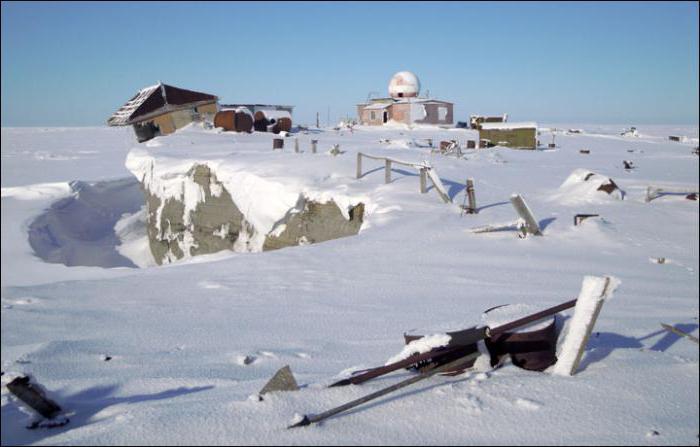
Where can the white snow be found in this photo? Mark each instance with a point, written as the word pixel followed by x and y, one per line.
pixel 177 333
pixel 581 186
pixel 420 346
pixel 509 126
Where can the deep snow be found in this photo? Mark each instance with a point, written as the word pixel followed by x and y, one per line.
pixel 176 334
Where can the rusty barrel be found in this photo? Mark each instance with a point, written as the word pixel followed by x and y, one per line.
pixel 533 347
pixel 225 119
pixel 234 120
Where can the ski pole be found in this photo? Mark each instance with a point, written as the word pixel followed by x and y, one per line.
pixel 312 419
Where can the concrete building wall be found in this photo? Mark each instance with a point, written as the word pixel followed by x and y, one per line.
pixel 437 113
pixel 372 117
pixel 401 113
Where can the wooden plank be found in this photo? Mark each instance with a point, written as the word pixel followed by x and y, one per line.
pixel 594 291
pixel 33 396
pixel 439 187
pixel 387 170
pixel 358 171
pixel 654 192
pixel 524 212
pixel 680 333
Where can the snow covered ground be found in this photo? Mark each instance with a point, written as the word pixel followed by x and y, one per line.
pixel 191 341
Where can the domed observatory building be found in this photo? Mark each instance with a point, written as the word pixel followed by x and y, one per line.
pixel 405 105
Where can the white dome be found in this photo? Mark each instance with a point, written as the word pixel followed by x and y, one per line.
pixel 404 84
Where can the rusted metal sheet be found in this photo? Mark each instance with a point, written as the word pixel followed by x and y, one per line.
pixel 581 217
pixel 532 350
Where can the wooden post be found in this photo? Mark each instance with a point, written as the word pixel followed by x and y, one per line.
pixel 524 212
pixel 313 146
pixel 423 180
pixel 296 145
pixel 387 171
pixel 594 291
pixel 358 171
pixel 472 199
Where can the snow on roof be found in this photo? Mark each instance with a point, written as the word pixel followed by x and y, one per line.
pixel 121 117
pixel 509 126
pixel 276 114
pixel 157 99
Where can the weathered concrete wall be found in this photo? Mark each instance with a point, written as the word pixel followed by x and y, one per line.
pixel 432 111
pixel 316 222
pixel 217 224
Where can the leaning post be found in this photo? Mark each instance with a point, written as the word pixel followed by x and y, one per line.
pixel 472 198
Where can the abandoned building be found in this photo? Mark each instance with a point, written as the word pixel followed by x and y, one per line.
pixel 512 135
pixel 475 121
pixel 404 105
pixel 267 117
pixel 161 109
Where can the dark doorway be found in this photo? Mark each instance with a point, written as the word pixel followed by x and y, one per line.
pixel 386 116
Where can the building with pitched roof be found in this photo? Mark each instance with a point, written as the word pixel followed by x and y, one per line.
pixel 161 109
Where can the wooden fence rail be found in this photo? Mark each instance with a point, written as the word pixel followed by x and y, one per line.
pixel 425 170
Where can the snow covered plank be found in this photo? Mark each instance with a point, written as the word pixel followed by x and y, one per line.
pixel 524 212
pixel 439 187
pixel 594 291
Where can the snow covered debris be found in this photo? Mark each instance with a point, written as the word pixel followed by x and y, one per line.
pixel 584 186
pixel 420 346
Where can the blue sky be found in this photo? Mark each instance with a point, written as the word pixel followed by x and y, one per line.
pixel 73 64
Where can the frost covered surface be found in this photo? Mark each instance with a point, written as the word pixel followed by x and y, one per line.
pixel 177 334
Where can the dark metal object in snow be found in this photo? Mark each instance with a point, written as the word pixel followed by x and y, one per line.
pixel 608 187
pixel 464 340
pixel 532 350
pixel 33 396
pixel 429 372
pixel 585 151
pixel 277 143
pixel 581 217
pixel 283 380
pixel 628 164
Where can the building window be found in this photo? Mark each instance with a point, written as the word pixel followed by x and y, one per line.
pixel 372 115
